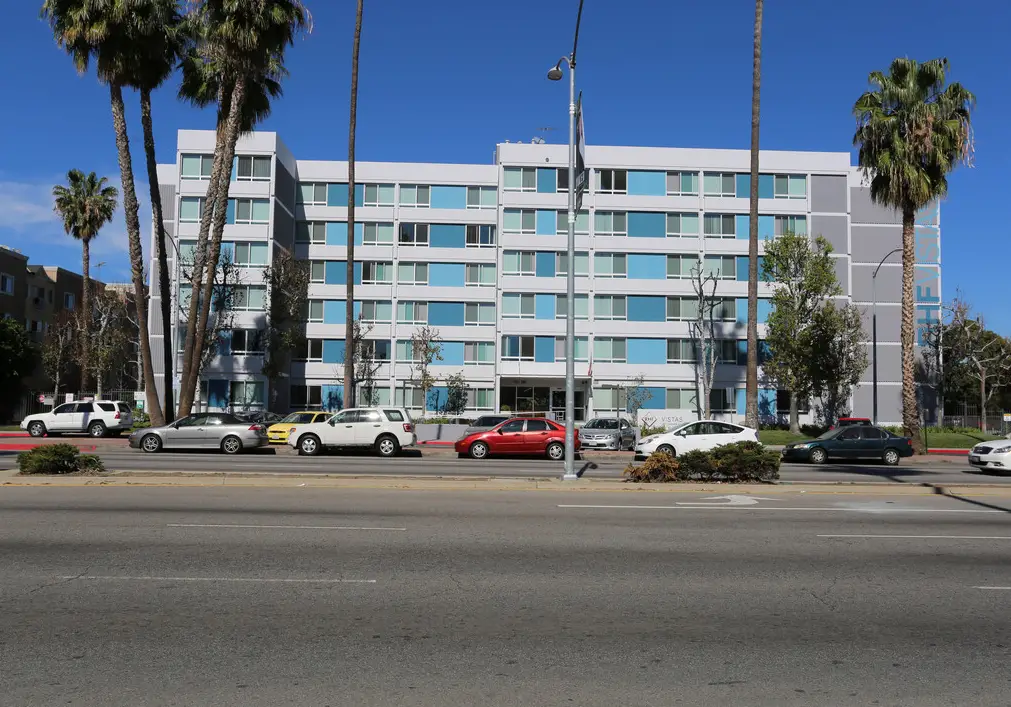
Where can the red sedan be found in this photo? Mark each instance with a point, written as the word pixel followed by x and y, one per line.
pixel 518 435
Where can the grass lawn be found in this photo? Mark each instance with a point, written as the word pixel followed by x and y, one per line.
pixel 779 437
pixel 955 440
pixel 10 428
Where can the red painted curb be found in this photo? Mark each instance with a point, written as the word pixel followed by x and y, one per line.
pixel 437 442
pixel 949 452
pixel 25 446
pixel 14 434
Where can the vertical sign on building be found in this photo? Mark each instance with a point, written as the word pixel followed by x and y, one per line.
pixel 928 270
pixel 580 154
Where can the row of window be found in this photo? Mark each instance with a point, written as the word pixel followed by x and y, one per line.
pixel 247 168
pixel 411 195
pixel 240 254
pixel 316 397
pixel 239 211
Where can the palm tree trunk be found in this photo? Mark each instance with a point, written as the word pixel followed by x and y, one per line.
pixel 910 408
pixel 164 284
pixel 349 319
pixel 130 209
pixel 751 384
pixel 84 318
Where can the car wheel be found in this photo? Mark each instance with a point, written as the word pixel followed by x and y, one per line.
pixel 666 449
pixel 817 456
pixel 96 429
pixel 387 446
pixel 151 443
pixel 309 445
pixel 478 450
pixel 231 445
pixel 890 457
pixel 556 451
pixel 37 429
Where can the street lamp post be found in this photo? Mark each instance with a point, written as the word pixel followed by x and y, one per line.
pixel 874 334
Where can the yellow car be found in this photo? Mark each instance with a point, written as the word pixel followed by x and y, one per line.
pixel 279 431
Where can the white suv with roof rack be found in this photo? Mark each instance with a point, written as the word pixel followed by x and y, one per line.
pixel 386 429
pixel 97 418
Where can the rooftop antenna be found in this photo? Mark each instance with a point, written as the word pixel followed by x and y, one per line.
pixel 541 139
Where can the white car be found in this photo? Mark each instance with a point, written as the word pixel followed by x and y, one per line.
pixel 387 430
pixel 994 455
pixel 702 435
pixel 95 417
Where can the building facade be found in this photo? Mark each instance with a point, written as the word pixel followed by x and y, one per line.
pixel 477 252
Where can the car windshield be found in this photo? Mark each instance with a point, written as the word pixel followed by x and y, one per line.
pixel 299 417
pixel 601 424
pixel 830 434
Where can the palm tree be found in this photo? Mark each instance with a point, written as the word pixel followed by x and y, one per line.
pixel 349 334
pixel 751 384
pixel 85 204
pixel 912 130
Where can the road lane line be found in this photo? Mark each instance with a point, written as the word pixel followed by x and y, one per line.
pixel 926 537
pixel 219 579
pixel 277 527
pixel 999 588
pixel 714 507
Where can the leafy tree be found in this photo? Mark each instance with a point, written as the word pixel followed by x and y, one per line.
pixel 912 130
pixel 838 357
pixel 110 333
pixel 17 362
pixel 58 349
pixel 456 394
pixel 85 204
pixel 751 382
pixel 349 320
pixel 426 347
pixel 805 278
pixel 287 282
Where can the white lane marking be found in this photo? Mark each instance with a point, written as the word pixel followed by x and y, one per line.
pixel 221 579
pixel 734 500
pixel 1000 588
pixel 926 537
pixel 724 507
pixel 276 527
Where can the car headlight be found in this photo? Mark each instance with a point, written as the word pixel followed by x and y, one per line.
pixel 1002 449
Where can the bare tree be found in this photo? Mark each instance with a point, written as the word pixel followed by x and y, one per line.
pixel 426 348
pixel 702 329
pixel 59 349
pixel 636 396
pixel 984 356
pixel 110 337
pixel 365 363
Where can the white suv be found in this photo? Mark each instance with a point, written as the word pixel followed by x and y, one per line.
pixel 387 430
pixel 96 417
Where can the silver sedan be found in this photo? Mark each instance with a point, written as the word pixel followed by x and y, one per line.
pixel 205 430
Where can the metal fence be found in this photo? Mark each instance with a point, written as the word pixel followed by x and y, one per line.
pixel 993 420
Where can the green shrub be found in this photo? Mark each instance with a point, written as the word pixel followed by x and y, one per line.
pixel 646 431
pixel 141 420
pixel 745 461
pixel 741 462
pixel 658 468
pixel 58 459
pixel 697 466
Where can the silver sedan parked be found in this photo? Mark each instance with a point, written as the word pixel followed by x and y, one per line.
pixel 204 430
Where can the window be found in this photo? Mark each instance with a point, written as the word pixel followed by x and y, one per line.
pixel 521 263
pixel 520 179
pixel 312 193
pixel 376 349
pixel 247 342
pixel 306 396
pixel 582 223
pixel 538 426
pixel 719 226
pixel 378 195
pixel 377 312
pixel 482 197
pixel 414 234
pixel 722 267
pixel 483 399
pixel 412 313
pixel 682 308
pixel 682 225
pixel 722 400
pixel 612 181
pixel 803 407
pixel 581 348
pixel 609 350
pixel 310 232
pixel 374 273
pixel 791 186
pixel 680 399
pixel 480 274
pixel 68 297
pixel 313 351
pixel 415 195
pixel 610 307
pixel 191 209
pixel 582 306
pixel 479 352
pixel 797 225
pixel 317 271
pixel 480 236
pixel 725 310
pixel 476 314
pixel 720 184
pixel 609 265
pixel 35 326
pixel 250 255
pixel 315 311
pixel 562 180
pixel 252 211
pixel 245 393
pixel 197 166
pixel 406 352
pixel 519 221
pixel 518 306
pixel 250 298
pixel 377 234
pixel 412 274
pixel 413 398
pixel 680 351
pixel 680 267
pixel 253 168
pixel 7 286
pixel 562 264
pixel 608 223
pixel 682 184
pixel 517 348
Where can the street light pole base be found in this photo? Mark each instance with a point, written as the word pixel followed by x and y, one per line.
pixel 570 477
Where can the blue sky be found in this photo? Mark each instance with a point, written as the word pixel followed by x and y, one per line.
pixel 446 81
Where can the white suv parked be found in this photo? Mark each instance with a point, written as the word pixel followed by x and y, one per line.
pixel 97 417
pixel 387 430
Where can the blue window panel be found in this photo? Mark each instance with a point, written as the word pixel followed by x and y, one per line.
pixel 643 224
pixel 647 267
pixel 764 351
pixel 225 343
pixel 547 180
pixel 446 235
pixel 646 351
pixel 452 353
pixel 766 186
pixel 544 306
pixel 647 309
pixel 449 197
pixel 359 233
pixel 647 183
pixel 359 194
pixel 333 397
pixel 742 226
pixel 743 186
pixel 235 167
pixel 333 350
pixel 446 314
pixel 227 251
pixel 545 264
pixel 544 349
pixel 742 268
pixel 335 272
pixel 217 393
pixel 336 194
pixel 742 310
pixel 764 309
pixel 762 277
pixel 658 401
pixel 230 211
pixel 547 223
pixel 336 233
pixel 334 311
pixel 437 398
pixel 742 352
pixel 766 228
pixel 766 403
pixel 447 274
pixel 741 400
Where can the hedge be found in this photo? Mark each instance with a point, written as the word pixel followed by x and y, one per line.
pixel 741 462
pixel 55 459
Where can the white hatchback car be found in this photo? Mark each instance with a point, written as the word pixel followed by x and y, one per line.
pixel 995 455
pixel 702 435
pixel 95 417
pixel 387 430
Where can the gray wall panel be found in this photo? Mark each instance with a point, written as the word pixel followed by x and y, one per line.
pixel 889 364
pixel 863 210
pixel 889 403
pixel 889 321
pixel 284 228
pixel 833 228
pixel 284 186
pixel 889 283
pixel 842 272
pixel 168 200
pixel 871 243
pixel 828 193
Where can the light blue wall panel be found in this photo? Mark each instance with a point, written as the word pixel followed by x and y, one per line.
pixel 230 211
pixel 336 233
pixel 647 309
pixel 742 310
pixel 447 274
pixel 741 400
pixel 449 197
pixel 217 393
pixel 742 352
pixel 646 351
pixel 742 268
pixel 544 349
pixel 657 399
pixel 452 353
pixel 335 272
pixel 764 308
pixel 766 227
pixel 333 397
pixel 545 264
pixel 742 227
pixel 547 180
pixel 647 267
pixel 334 311
pixel 445 314
pixel 437 397
pixel 448 235
pixel 743 186
pixel 547 223
pixel 767 403
pixel 545 306
pixel 647 183
pixel 224 343
pixel 333 350
pixel 644 224
pixel 766 186
pixel 337 195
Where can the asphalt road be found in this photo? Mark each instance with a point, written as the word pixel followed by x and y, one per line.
pixel 249 597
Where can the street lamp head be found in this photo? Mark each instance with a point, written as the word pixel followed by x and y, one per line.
pixel 555 73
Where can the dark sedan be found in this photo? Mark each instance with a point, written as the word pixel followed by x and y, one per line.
pixel 852 442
